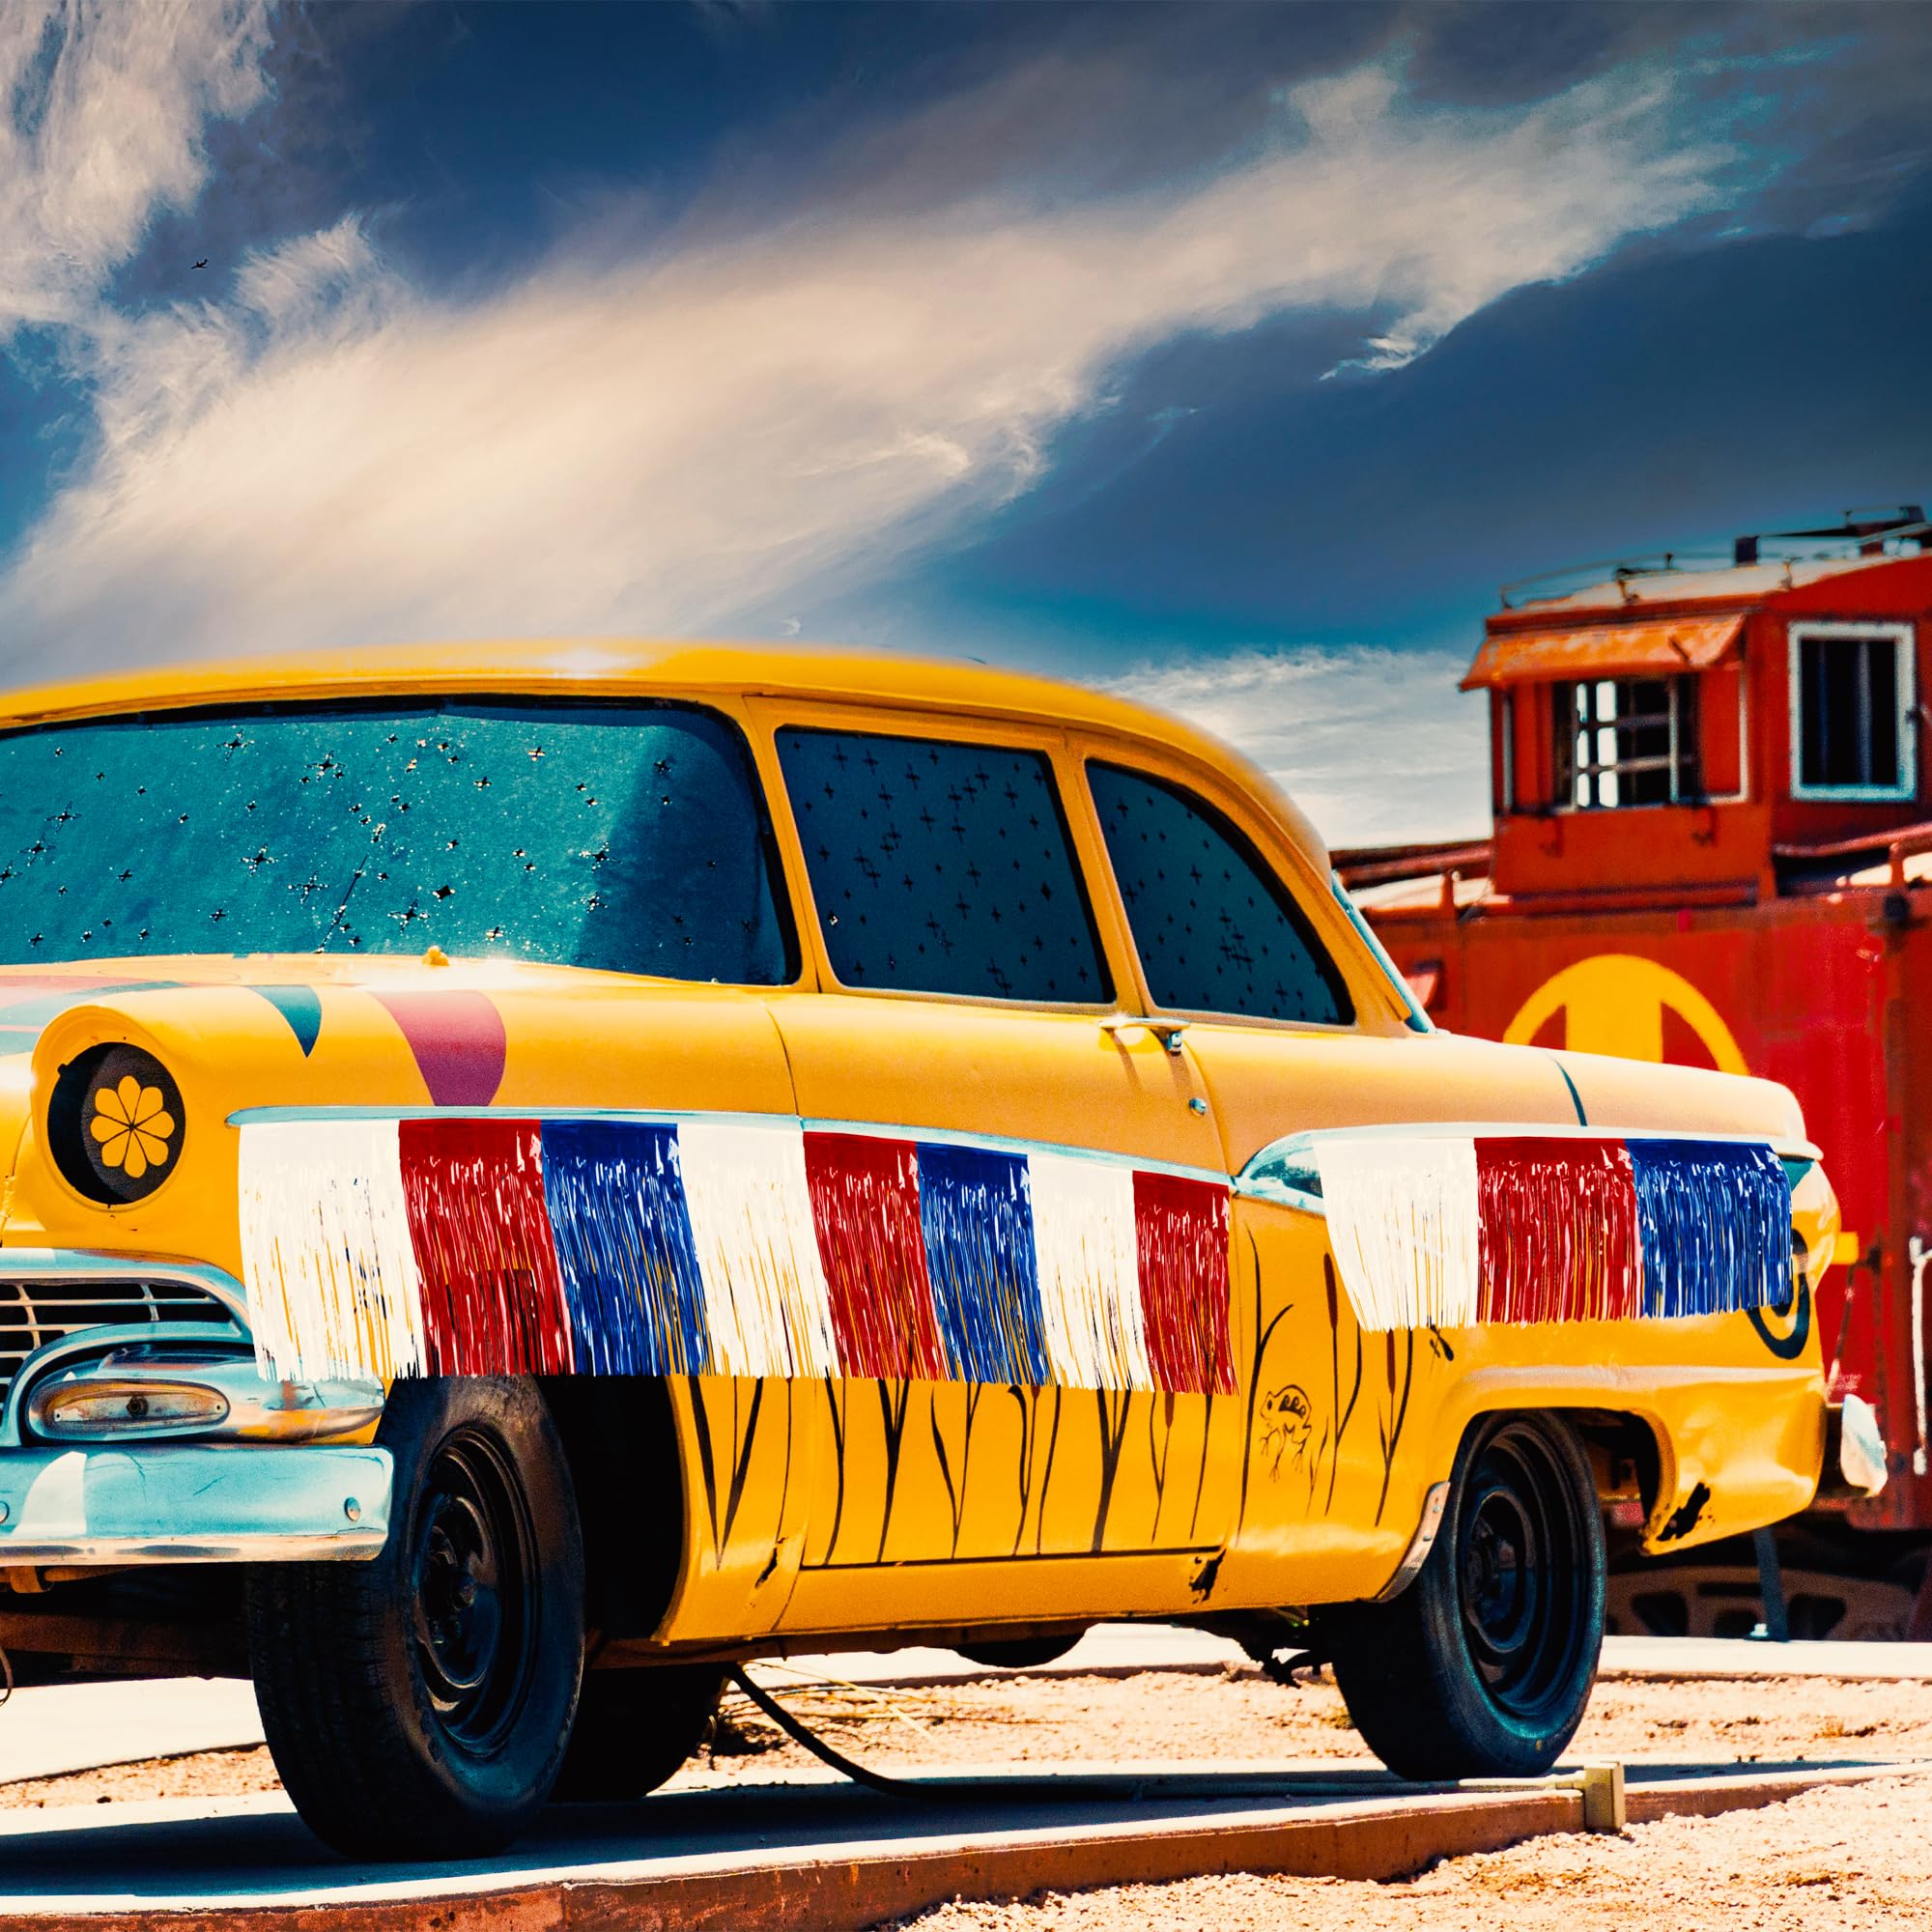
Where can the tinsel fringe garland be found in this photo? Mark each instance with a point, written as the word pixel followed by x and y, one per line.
pixel 488 1245
pixel 1454 1229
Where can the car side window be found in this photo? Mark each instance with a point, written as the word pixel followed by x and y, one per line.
pixel 1216 932
pixel 942 867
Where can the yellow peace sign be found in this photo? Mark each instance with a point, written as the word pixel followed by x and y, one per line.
pixel 1615 1002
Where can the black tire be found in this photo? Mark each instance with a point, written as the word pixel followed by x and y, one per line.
pixel 417 1706
pixel 1483 1667
pixel 636 1728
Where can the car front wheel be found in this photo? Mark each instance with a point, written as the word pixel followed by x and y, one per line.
pixel 418 1705
pixel 1483 1667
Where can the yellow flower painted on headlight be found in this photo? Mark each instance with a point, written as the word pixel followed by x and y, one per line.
pixel 132 1126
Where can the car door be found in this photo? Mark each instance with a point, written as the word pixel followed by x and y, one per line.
pixel 1020 1196
pixel 1291 1033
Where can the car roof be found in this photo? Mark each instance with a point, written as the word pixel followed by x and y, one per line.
pixel 625 666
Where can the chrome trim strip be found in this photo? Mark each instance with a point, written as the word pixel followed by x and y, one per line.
pixel 1419 1545
pixel 1268 1175
pixel 1418 1020
pixel 190 1503
pixel 1542 1130
pixel 1280 1193
pixel 656 1116
pixel 661 1118
pixel 1008 1144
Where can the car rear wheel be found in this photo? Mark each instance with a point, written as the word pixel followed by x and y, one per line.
pixel 635 1728
pixel 1483 1667
pixel 418 1705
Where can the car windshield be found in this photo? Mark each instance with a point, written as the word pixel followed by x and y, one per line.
pixel 631 838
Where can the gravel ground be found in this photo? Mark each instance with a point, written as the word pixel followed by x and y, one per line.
pixel 222 1774
pixel 1853 1857
pixel 1167 1714
pixel 1243 1714
pixel 1847 1861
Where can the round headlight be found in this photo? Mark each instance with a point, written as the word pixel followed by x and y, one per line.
pixel 115 1125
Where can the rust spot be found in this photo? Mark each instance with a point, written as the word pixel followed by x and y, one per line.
pixel 1686 1520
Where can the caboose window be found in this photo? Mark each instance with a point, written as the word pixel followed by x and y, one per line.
pixel 1627 741
pixel 1851 707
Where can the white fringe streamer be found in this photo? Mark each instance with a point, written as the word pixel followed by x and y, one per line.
pixel 334 1290
pixel 1089 1293
pixel 1403 1225
pixel 766 1302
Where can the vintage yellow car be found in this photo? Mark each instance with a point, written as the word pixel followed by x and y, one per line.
pixel 535 1173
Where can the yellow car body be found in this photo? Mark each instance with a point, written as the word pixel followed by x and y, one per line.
pixel 1288 1461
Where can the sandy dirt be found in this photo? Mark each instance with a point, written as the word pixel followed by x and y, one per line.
pixel 1243 1714
pixel 1851 1857
pixel 1843 1860
pixel 1163 1715
pixel 223 1773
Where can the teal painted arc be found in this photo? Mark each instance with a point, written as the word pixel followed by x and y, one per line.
pixel 301 1008
pixel 1576 1098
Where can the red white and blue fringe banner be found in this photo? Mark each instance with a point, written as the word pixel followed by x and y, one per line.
pixel 374 1249
pixel 379 1248
pixel 1463 1230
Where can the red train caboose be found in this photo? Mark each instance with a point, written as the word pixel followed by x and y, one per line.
pixel 1712 845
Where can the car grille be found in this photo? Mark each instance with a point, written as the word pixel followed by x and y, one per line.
pixel 35 1312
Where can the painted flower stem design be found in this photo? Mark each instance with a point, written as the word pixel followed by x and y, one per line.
pixel 1335 1346
pixel 1391 1430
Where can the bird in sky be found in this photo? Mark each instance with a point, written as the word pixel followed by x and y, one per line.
pixel 203 262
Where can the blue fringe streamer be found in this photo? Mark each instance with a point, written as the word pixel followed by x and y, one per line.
pixel 976 1213
pixel 1713 1220
pixel 622 1229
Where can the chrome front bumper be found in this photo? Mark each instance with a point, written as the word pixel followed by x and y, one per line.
pixel 275 1499
pixel 193 1503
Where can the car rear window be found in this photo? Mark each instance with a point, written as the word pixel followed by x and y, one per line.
pixel 942 867
pixel 631 838
pixel 1216 932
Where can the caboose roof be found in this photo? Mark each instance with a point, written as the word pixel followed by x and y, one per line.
pixel 1739 584
pixel 1653 621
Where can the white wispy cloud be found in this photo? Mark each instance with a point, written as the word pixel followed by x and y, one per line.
pixel 706 431
pixel 106 106
pixel 1376 746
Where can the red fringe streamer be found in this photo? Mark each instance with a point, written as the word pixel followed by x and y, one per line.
pixel 493 1299
pixel 1180 1230
pixel 865 1204
pixel 1558 1231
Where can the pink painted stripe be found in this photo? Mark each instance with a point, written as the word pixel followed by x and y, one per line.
pixel 458 1040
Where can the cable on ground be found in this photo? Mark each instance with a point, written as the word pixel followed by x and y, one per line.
pixel 808 1739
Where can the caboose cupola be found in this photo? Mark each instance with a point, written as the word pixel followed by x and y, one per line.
pixel 1671 725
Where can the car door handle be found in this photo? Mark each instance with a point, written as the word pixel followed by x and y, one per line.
pixel 1123 1027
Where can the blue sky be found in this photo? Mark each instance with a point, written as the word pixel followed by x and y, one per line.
pixel 1230 355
